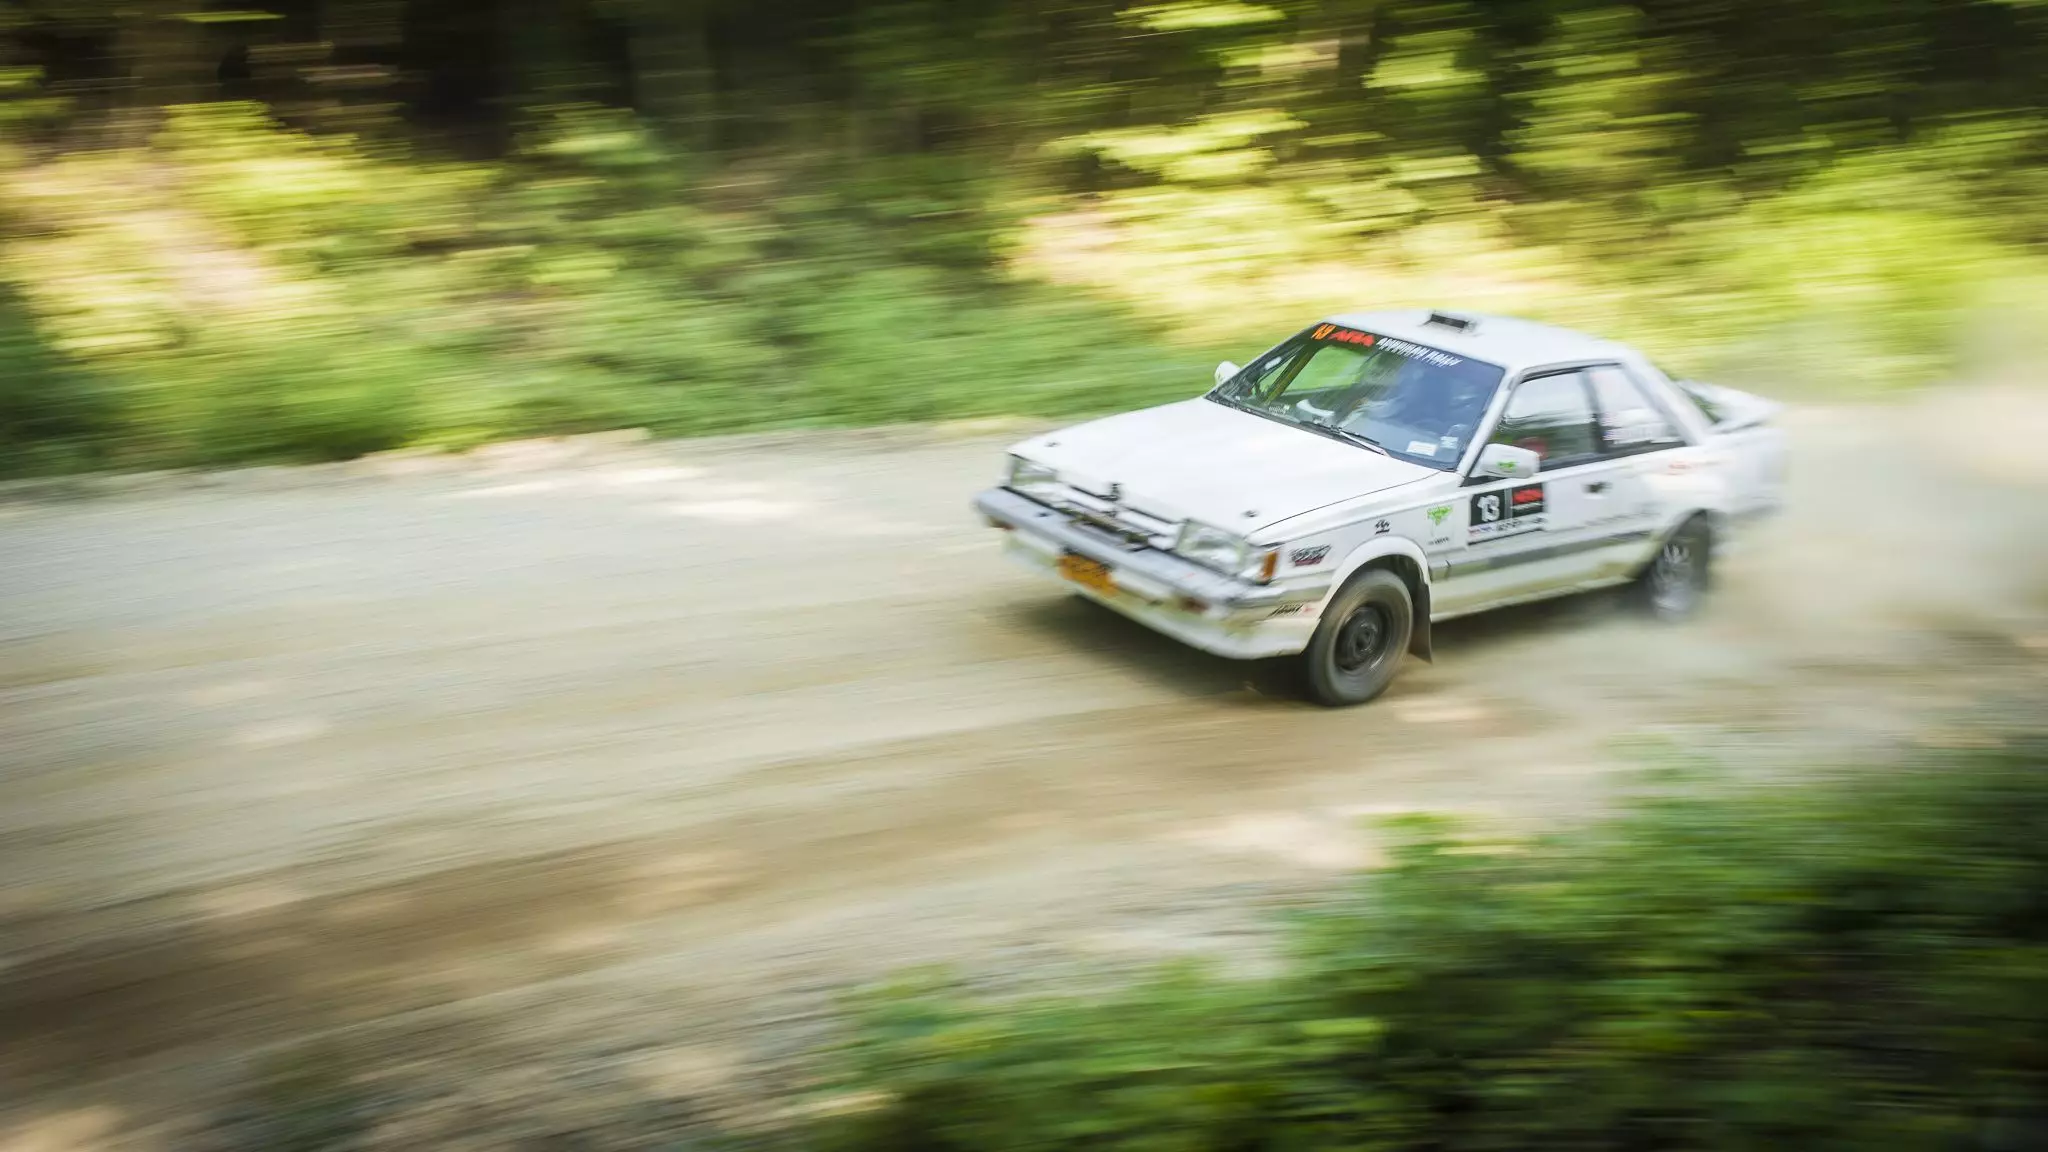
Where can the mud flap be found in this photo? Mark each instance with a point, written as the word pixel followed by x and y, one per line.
pixel 1418 638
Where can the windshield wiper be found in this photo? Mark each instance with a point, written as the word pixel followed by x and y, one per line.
pixel 1330 430
pixel 1350 437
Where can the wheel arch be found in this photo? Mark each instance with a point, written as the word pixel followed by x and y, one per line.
pixel 1404 558
pixel 1714 519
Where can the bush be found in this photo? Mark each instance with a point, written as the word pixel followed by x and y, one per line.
pixel 51 416
pixel 289 298
pixel 240 291
pixel 1845 965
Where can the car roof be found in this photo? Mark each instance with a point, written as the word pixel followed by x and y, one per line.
pixel 1506 341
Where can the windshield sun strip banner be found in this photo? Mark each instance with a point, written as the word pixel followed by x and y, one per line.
pixel 1340 335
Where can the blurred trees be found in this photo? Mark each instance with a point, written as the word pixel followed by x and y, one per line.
pixel 495 194
pixel 1547 95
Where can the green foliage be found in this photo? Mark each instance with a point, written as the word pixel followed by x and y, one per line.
pixel 51 417
pixel 1857 964
pixel 1600 124
pixel 923 209
pixel 288 298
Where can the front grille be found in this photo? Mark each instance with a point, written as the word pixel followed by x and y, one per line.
pixel 1119 520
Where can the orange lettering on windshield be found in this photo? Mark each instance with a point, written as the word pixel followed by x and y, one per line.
pixel 1344 335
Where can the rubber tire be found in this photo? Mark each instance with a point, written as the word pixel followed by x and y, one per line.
pixel 1700 535
pixel 1331 686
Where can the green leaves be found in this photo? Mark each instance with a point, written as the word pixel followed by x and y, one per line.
pixel 1193 15
pixel 1825 199
pixel 1214 149
pixel 1850 964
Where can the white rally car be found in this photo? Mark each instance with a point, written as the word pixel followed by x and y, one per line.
pixel 1380 471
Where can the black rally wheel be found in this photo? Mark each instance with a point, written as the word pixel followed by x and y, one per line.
pixel 1361 640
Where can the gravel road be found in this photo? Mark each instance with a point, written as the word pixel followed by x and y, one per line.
pixel 563 791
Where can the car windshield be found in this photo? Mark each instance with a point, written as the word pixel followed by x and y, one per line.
pixel 1419 403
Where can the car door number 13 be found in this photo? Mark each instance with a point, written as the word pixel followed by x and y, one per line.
pixel 1508 511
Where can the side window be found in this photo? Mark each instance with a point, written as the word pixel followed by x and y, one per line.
pixel 1708 408
pixel 1551 417
pixel 1629 421
pixel 1680 385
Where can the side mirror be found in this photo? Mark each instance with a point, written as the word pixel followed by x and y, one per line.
pixel 1225 371
pixel 1507 462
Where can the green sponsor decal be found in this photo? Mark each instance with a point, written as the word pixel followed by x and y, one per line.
pixel 1437 514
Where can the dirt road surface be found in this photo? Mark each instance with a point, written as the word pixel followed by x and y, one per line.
pixel 566 796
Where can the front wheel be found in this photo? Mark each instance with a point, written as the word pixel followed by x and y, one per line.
pixel 1360 642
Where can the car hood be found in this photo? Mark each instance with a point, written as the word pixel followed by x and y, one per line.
pixel 1201 460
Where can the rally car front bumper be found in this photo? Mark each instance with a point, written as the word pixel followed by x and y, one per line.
pixel 1199 607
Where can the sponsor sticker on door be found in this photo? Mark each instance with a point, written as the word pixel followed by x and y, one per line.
pixel 1507 512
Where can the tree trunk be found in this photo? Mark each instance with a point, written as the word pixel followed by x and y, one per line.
pixel 162 55
pixel 673 83
pixel 173 65
pixel 542 53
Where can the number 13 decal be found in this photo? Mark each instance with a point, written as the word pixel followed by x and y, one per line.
pixel 1510 512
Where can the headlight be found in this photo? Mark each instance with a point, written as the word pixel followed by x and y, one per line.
pixel 1030 478
pixel 1215 548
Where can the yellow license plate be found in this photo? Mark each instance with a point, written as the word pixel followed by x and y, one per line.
pixel 1092 574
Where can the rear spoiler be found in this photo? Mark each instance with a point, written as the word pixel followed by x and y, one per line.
pixel 1730 410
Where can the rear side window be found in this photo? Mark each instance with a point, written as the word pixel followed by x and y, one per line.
pixel 1712 411
pixel 1552 417
pixel 1707 408
pixel 1629 421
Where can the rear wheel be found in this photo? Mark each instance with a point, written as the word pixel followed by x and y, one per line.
pixel 1363 635
pixel 1675 583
